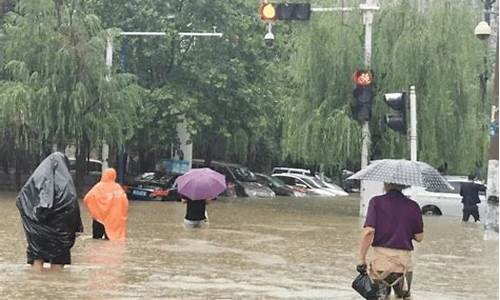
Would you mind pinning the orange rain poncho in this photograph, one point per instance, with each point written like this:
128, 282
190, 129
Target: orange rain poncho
108, 204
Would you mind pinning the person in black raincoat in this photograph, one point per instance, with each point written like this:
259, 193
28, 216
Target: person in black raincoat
470, 198
50, 213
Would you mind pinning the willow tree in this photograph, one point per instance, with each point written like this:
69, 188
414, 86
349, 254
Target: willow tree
218, 84
436, 51
433, 49
54, 86
317, 127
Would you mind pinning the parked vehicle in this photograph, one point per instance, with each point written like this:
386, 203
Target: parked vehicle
328, 183
94, 166
322, 182
279, 187
153, 186
442, 202
93, 169
240, 180
307, 182
349, 185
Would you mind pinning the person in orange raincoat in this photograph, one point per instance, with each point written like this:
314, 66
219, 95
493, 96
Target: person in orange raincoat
108, 206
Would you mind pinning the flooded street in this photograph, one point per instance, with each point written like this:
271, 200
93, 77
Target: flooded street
283, 248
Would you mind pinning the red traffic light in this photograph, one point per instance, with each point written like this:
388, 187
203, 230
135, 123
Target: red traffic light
362, 77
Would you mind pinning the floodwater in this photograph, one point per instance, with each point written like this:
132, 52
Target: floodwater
282, 248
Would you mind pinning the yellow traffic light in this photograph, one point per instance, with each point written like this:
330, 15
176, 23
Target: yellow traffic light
267, 12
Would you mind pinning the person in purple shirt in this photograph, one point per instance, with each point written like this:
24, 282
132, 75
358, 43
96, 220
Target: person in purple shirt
392, 222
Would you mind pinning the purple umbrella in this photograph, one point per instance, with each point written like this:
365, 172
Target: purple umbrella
201, 184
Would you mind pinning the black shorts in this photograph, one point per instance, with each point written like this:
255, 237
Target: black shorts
63, 259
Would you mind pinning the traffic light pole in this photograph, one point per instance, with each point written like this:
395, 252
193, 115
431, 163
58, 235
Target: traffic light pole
413, 124
368, 8
366, 193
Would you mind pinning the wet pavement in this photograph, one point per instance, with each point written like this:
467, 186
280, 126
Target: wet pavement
284, 248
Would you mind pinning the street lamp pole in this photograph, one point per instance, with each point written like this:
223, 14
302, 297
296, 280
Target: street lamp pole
483, 31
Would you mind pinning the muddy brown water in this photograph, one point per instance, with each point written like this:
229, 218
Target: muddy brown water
283, 248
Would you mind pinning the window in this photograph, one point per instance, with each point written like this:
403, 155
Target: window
243, 174
287, 180
455, 185
94, 166
224, 171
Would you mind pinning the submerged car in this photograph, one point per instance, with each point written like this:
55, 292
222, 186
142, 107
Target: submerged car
312, 188
443, 202
240, 180
153, 186
329, 184
279, 187
280, 170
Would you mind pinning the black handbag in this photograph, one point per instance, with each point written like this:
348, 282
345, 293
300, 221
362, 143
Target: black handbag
364, 285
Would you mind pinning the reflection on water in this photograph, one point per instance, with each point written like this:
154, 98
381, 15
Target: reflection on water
253, 249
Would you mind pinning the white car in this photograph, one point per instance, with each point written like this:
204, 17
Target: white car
446, 203
312, 188
286, 170
332, 186
318, 182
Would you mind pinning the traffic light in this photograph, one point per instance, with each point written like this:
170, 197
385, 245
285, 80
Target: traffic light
363, 94
396, 101
284, 11
267, 12
293, 11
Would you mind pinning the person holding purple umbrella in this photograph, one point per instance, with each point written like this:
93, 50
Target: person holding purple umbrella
199, 187
196, 213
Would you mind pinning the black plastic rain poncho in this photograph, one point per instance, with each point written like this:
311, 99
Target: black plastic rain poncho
49, 210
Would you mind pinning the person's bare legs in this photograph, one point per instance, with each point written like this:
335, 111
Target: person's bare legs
37, 265
56, 267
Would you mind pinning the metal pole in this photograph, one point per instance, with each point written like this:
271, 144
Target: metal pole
413, 124
491, 226
153, 33
331, 9
367, 21
109, 64
368, 8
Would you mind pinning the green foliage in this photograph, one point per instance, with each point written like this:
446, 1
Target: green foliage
242, 101
219, 85
317, 127
54, 79
437, 53
433, 50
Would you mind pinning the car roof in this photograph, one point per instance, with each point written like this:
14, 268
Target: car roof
294, 175
292, 170
90, 160
261, 175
